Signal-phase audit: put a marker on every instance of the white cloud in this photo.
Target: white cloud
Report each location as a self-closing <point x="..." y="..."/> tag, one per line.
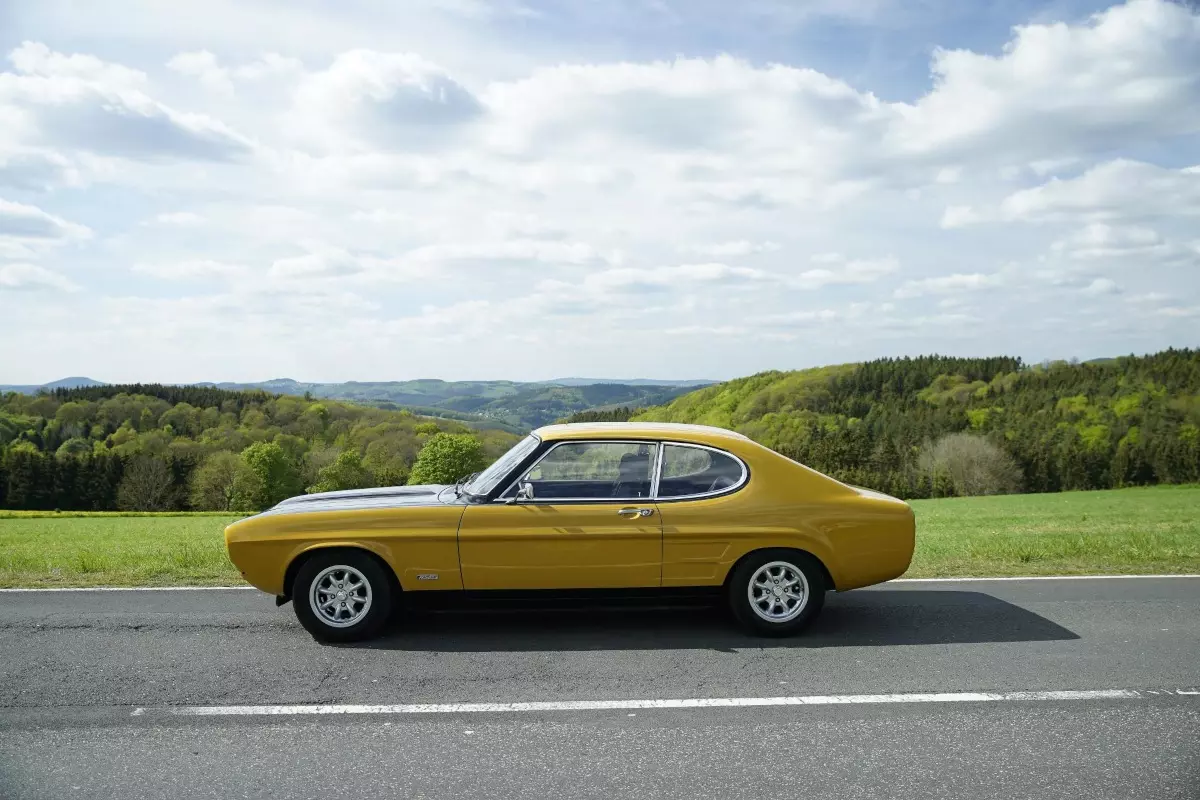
<point x="206" y="68"/>
<point x="21" y="221"/>
<point x="850" y="272"/>
<point x="382" y="100"/>
<point x="178" y="218"/>
<point x="81" y="102"/>
<point x="32" y="169"/>
<point x="801" y="318"/>
<point x="1128" y="74"/>
<point x="1115" y="190"/>
<point x="32" y="277"/>
<point x="36" y="59"/>
<point x="538" y="192"/>
<point x="1179" y="312"/>
<point x="949" y="284"/>
<point x="328" y="263"/>
<point x="682" y="276"/>
<point x="1102" y="286"/>
<point x="189" y="269"/>
<point x="515" y="250"/>
<point x="737" y="247"/>
<point x="958" y="216"/>
<point x="1100" y="240"/>
<point x="1150" y="297"/>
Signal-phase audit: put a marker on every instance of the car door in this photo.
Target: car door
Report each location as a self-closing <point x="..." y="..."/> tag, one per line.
<point x="588" y="522"/>
<point x="702" y="504"/>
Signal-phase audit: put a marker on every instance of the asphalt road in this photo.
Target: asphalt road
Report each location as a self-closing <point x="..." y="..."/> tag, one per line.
<point x="75" y="665"/>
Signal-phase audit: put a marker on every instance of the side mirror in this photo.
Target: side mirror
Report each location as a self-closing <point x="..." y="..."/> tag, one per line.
<point x="524" y="493"/>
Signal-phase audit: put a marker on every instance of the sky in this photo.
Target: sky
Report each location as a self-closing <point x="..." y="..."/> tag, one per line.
<point x="237" y="190"/>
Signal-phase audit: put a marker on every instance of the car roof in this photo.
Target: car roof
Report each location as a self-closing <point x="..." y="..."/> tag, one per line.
<point x="703" y="434"/>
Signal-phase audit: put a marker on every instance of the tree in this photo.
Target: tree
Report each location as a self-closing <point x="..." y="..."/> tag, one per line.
<point x="216" y="481"/>
<point x="249" y="491"/>
<point x="146" y="485"/>
<point x="426" y="429"/>
<point x="971" y="465"/>
<point x="279" y="477"/>
<point x="389" y="458"/>
<point x="347" y="472"/>
<point x="72" y="417"/>
<point x="75" y="446"/>
<point x="446" y="458"/>
<point x="29" y="486"/>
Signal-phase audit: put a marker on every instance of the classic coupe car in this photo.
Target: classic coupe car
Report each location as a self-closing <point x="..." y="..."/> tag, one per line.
<point x="604" y="506"/>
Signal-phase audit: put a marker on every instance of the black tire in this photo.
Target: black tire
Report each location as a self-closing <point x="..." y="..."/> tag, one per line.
<point x="789" y="565"/>
<point x="356" y="567"/>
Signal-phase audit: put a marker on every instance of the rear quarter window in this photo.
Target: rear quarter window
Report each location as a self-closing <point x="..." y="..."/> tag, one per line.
<point x="693" y="470"/>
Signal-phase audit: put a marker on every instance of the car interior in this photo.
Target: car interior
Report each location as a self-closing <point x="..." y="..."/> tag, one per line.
<point x="623" y="471"/>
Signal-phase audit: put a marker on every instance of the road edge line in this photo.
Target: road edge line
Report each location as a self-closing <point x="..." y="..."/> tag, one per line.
<point x="664" y="704"/>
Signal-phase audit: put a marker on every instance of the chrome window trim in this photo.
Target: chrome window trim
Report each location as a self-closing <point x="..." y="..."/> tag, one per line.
<point x="655" y="477"/>
<point x="657" y="474"/>
<point x="745" y="477"/>
<point x="532" y="435"/>
<point x="500" y="498"/>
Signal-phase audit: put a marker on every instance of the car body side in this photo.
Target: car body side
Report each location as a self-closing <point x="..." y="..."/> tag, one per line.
<point x="861" y="537"/>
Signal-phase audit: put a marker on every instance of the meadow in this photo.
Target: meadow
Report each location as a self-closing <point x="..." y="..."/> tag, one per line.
<point x="1151" y="530"/>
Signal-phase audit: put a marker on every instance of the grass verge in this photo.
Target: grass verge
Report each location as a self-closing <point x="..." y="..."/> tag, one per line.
<point x="48" y="550"/>
<point x="1154" y="530"/>
<point x="1144" y="530"/>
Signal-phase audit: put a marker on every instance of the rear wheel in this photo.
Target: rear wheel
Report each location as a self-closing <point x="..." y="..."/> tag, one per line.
<point x="342" y="596"/>
<point x="777" y="592"/>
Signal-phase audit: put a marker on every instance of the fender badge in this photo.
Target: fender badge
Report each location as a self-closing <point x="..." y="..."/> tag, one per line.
<point x="429" y="576"/>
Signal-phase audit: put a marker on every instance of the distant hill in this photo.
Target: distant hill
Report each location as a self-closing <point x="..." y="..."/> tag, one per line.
<point x="508" y="405"/>
<point x="628" y="382"/>
<point x="64" y="383"/>
<point x="1102" y="424"/>
<point x="512" y="405"/>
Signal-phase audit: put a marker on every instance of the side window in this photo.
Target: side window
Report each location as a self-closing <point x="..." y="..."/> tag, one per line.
<point x="692" y="470"/>
<point x="594" y="471"/>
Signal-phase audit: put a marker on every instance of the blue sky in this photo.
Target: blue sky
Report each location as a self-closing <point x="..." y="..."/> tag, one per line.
<point x="238" y="190"/>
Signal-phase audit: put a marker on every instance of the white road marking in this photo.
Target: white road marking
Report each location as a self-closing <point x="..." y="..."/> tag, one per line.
<point x="895" y="580"/>
<point x="699" y="702"/>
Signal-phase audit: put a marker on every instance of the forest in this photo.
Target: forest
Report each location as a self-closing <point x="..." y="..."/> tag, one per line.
<point x="929" y="426"/>
<point x="174" y="448"/>
<point x="933" y="426"/>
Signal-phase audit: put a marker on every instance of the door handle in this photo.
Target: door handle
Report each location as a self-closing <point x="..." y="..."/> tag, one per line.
<point x="634" y="513"/>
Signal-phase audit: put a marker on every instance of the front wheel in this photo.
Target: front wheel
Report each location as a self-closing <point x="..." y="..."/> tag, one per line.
<point x="777" y="592"/>
<point x="342" y="596"/>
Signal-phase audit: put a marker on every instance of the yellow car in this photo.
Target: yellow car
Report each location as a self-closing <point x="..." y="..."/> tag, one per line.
<point x="596" y="506"/>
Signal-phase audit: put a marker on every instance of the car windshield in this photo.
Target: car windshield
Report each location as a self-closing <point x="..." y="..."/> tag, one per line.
<point x="485" y="481"/>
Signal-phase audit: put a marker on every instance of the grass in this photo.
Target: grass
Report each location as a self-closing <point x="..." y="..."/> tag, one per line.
<point x="1145" y="530"/>
<point x="44" y="549"/>
<point x="1148" y="530"/>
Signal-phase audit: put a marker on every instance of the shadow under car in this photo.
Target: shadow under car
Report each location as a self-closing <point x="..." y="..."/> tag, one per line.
<point x="867" y="618"/>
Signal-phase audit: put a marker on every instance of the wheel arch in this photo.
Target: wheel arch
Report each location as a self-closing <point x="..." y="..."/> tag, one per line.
<point x="298" y="561"/>
<point x="829" y="582"/>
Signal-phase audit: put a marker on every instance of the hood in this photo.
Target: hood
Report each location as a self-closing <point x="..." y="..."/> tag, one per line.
<point x="352" y="499"/>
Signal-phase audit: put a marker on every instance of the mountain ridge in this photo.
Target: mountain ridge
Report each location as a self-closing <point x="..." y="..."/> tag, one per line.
<point x="512" y="405"/>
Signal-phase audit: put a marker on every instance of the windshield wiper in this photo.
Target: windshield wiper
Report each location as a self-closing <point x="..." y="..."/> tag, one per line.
<point x="461" y="486"/>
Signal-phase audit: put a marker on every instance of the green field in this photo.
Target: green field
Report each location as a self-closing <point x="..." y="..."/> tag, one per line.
<point x="1144" y="530"/>
<point x="1123" y="531"/>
